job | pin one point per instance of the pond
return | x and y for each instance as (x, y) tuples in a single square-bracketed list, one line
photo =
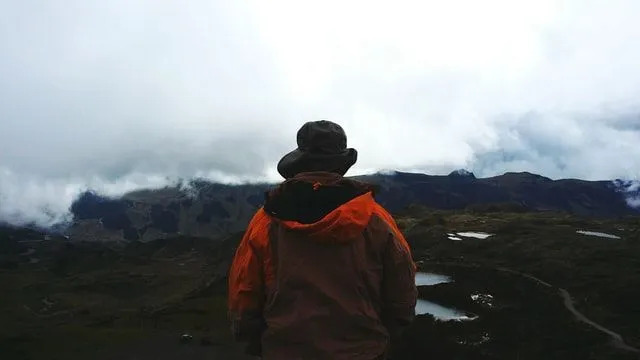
[(440, 312), (598, 234), (428, 279), (474, 234)]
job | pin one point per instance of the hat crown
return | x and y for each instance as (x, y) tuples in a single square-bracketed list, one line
[(322, 137)]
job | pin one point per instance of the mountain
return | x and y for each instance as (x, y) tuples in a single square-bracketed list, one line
[(208, 209), (461, 189), (203, 209)]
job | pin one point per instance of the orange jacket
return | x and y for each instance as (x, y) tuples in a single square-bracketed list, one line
[(322, 272)]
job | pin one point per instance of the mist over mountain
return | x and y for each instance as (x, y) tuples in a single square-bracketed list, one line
[(209, 209), (631, 191)]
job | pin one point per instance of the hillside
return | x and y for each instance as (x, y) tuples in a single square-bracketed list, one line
[(208, 209), (135, 300)]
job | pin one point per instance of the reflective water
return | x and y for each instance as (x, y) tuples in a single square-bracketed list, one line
[(598, 234), (440, 312), (473, 234), (427, 279)]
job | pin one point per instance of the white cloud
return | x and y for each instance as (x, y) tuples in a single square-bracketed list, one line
[(120, 94), (631, 189)]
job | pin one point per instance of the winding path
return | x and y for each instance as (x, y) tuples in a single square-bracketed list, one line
[(616, 339)]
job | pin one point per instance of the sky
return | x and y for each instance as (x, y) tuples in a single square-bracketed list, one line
[(125, 94)]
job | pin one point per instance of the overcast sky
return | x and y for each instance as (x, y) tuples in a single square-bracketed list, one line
[(121, 94)]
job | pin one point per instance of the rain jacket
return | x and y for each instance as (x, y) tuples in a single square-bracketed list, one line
[(322, 272)]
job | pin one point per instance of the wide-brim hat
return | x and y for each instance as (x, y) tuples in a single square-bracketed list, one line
[(322, 146)]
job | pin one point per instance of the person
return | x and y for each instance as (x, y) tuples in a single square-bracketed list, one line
[(322, 272)]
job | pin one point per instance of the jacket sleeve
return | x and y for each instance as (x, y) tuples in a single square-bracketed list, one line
[(398, 285), (247, 284)]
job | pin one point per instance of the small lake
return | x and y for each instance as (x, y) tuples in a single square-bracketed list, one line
[(474, 234), (598, 234), (468, 234), (440, 312), (428, 279)]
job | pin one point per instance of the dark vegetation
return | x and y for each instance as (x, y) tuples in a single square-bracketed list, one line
[(165, 220), (211, 209), (105, 301), (528, 321), (524, 322), (135, 300)]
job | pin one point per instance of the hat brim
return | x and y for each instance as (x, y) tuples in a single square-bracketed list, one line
[(298, 161)]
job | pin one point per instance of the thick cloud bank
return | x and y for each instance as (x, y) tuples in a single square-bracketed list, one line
[(118, 95)]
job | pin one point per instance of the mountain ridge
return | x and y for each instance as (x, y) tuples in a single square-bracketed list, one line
[(204, 208)]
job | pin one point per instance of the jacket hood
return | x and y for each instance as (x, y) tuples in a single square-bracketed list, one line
[(322, 206)]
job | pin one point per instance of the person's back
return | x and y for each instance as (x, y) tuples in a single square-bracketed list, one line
[(323, 271)]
